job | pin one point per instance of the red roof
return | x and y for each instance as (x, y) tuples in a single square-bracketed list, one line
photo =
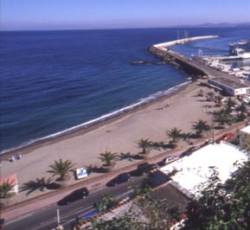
[(12, 179)]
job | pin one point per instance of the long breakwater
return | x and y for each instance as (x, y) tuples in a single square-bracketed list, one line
[(192, 66)]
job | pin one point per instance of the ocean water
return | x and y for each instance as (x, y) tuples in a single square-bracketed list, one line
[(52, 81)]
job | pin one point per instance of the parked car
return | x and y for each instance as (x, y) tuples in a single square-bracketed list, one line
[(122, 178), (162, 162), (74, 196), (1, 223), (143, 168), (157, 178)]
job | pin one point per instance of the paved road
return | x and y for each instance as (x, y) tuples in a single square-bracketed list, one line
[(45, 219)]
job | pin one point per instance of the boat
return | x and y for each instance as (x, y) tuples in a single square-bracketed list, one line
[(239, 47), (138, 62)]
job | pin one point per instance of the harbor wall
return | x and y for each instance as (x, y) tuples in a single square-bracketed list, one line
[(191, 67), (177, 60), (183, 41)]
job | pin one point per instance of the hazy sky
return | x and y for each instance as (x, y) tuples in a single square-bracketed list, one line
[(92, 14)]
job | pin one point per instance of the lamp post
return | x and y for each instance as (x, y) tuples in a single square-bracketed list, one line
[(59, 226)]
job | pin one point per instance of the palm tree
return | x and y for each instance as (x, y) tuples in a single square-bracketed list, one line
[(105, 203), (200, 93), (186, 137), (174, 134), (242, 108), (223, 117), (126, 156), (5, 188), (108, 158), (240, 117), (200, 126), (61, 168), (145, 145), (210, 96), (174, 213), (218, 100), (229, 105)]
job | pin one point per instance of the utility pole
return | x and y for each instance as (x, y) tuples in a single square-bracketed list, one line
[(200, 52), (58, 216), (212, 127), (59, 227)]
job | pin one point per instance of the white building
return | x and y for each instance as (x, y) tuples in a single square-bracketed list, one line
[(244, 133), (193, 171), (246, 130), (11, 180), (232, 87)]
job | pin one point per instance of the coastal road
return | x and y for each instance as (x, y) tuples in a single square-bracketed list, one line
[(45, 219)]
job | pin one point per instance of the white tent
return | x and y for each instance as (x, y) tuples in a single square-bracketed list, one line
[(193, 171), (246, 130)]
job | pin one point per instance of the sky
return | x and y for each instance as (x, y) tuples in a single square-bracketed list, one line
[(102, 14)]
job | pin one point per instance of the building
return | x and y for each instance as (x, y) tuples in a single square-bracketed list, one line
[(230, 86), (246, 130), (11, 180), (190, 174), (244, 134)]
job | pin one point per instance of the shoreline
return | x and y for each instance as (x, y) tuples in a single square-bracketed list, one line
[(111, 116), (95, 123), (120, 134)]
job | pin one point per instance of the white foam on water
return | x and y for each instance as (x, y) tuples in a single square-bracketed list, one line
[(104, 117)]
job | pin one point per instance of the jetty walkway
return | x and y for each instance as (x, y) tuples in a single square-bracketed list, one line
[(167, 44), (195, 66)]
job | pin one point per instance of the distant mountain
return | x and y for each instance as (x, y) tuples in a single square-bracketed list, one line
[(225, 24), (215, 25)]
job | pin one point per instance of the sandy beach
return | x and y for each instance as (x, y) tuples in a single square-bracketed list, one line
[(118, 135)]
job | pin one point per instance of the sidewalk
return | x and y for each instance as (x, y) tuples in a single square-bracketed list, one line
[(94, 183), (42, 201)]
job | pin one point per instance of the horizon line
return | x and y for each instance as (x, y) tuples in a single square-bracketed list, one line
[(203, 25)]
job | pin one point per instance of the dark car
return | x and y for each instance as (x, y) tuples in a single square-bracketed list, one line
[(188, 152), (162, 162), (143, 168), (74, 196), (157, 178), (1, 223), (122, 178)]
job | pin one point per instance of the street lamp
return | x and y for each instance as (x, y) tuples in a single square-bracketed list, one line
[(59, 226)]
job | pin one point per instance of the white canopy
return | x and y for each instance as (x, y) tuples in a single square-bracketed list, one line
[(246, 129), (195, 169)]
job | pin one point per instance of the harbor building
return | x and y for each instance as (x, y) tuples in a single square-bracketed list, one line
[(244, 135), (12, 181), (230, 86)]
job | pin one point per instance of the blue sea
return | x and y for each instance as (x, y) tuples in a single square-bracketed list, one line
[(52, 81)]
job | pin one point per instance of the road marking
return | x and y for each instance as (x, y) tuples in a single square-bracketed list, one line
[(19, 218), (74, 212), (69, 221), (44, 224), (77, 212)]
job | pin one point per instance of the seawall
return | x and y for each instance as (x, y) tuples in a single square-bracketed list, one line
[(183, 41), (193, 67)]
